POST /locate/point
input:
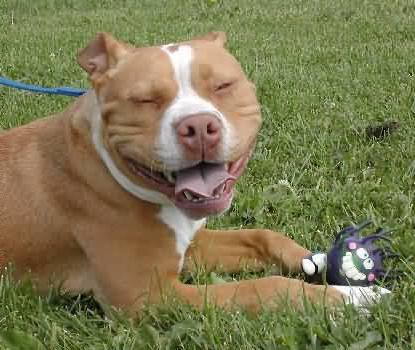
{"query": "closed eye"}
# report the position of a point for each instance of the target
(223, 86)
(147, 100)
(143, 101)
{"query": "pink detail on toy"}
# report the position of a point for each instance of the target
(352, 245)
(370, 277)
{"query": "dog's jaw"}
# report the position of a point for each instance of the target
(95, 120)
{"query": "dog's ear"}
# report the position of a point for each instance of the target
(101, 54)
(218, 38)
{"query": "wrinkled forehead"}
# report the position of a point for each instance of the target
(199, 57)
(172, 66)
(147, 62)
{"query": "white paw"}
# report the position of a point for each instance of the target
(362, 296)
(314, 264)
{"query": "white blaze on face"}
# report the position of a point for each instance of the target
(186, 103)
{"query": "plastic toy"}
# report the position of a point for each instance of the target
(354, 260)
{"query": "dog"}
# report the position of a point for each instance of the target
(111, 195)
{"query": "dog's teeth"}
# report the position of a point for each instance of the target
(217, 196)
(188, 195)
(169, 176)
(227, 166)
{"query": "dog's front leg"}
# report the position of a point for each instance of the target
(130, 273)
(253, 294)
(232, 250)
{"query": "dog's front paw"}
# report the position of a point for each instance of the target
(362, 296)
(314, 264)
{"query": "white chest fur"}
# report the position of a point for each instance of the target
(183, 227)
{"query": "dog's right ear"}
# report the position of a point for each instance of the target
(101, 54)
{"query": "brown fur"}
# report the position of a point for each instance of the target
(63, 218)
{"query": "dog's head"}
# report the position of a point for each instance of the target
(176, 123)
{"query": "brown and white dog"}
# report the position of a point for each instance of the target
(111, 195)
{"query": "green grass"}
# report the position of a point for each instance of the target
(325, 70)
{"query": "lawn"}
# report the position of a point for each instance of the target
(325, 71)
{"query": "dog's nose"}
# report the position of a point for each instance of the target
(200, 135)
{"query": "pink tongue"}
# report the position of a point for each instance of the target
(202, 179)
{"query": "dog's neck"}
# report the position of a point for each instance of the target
(85, 158)
(85, 126)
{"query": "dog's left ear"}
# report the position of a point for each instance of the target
(102, 53)
(218, 38)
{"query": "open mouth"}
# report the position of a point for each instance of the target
(349, 268)
(201, 190)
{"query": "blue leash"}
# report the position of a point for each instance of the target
(64, 90)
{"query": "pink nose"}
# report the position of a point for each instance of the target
(200, 135)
